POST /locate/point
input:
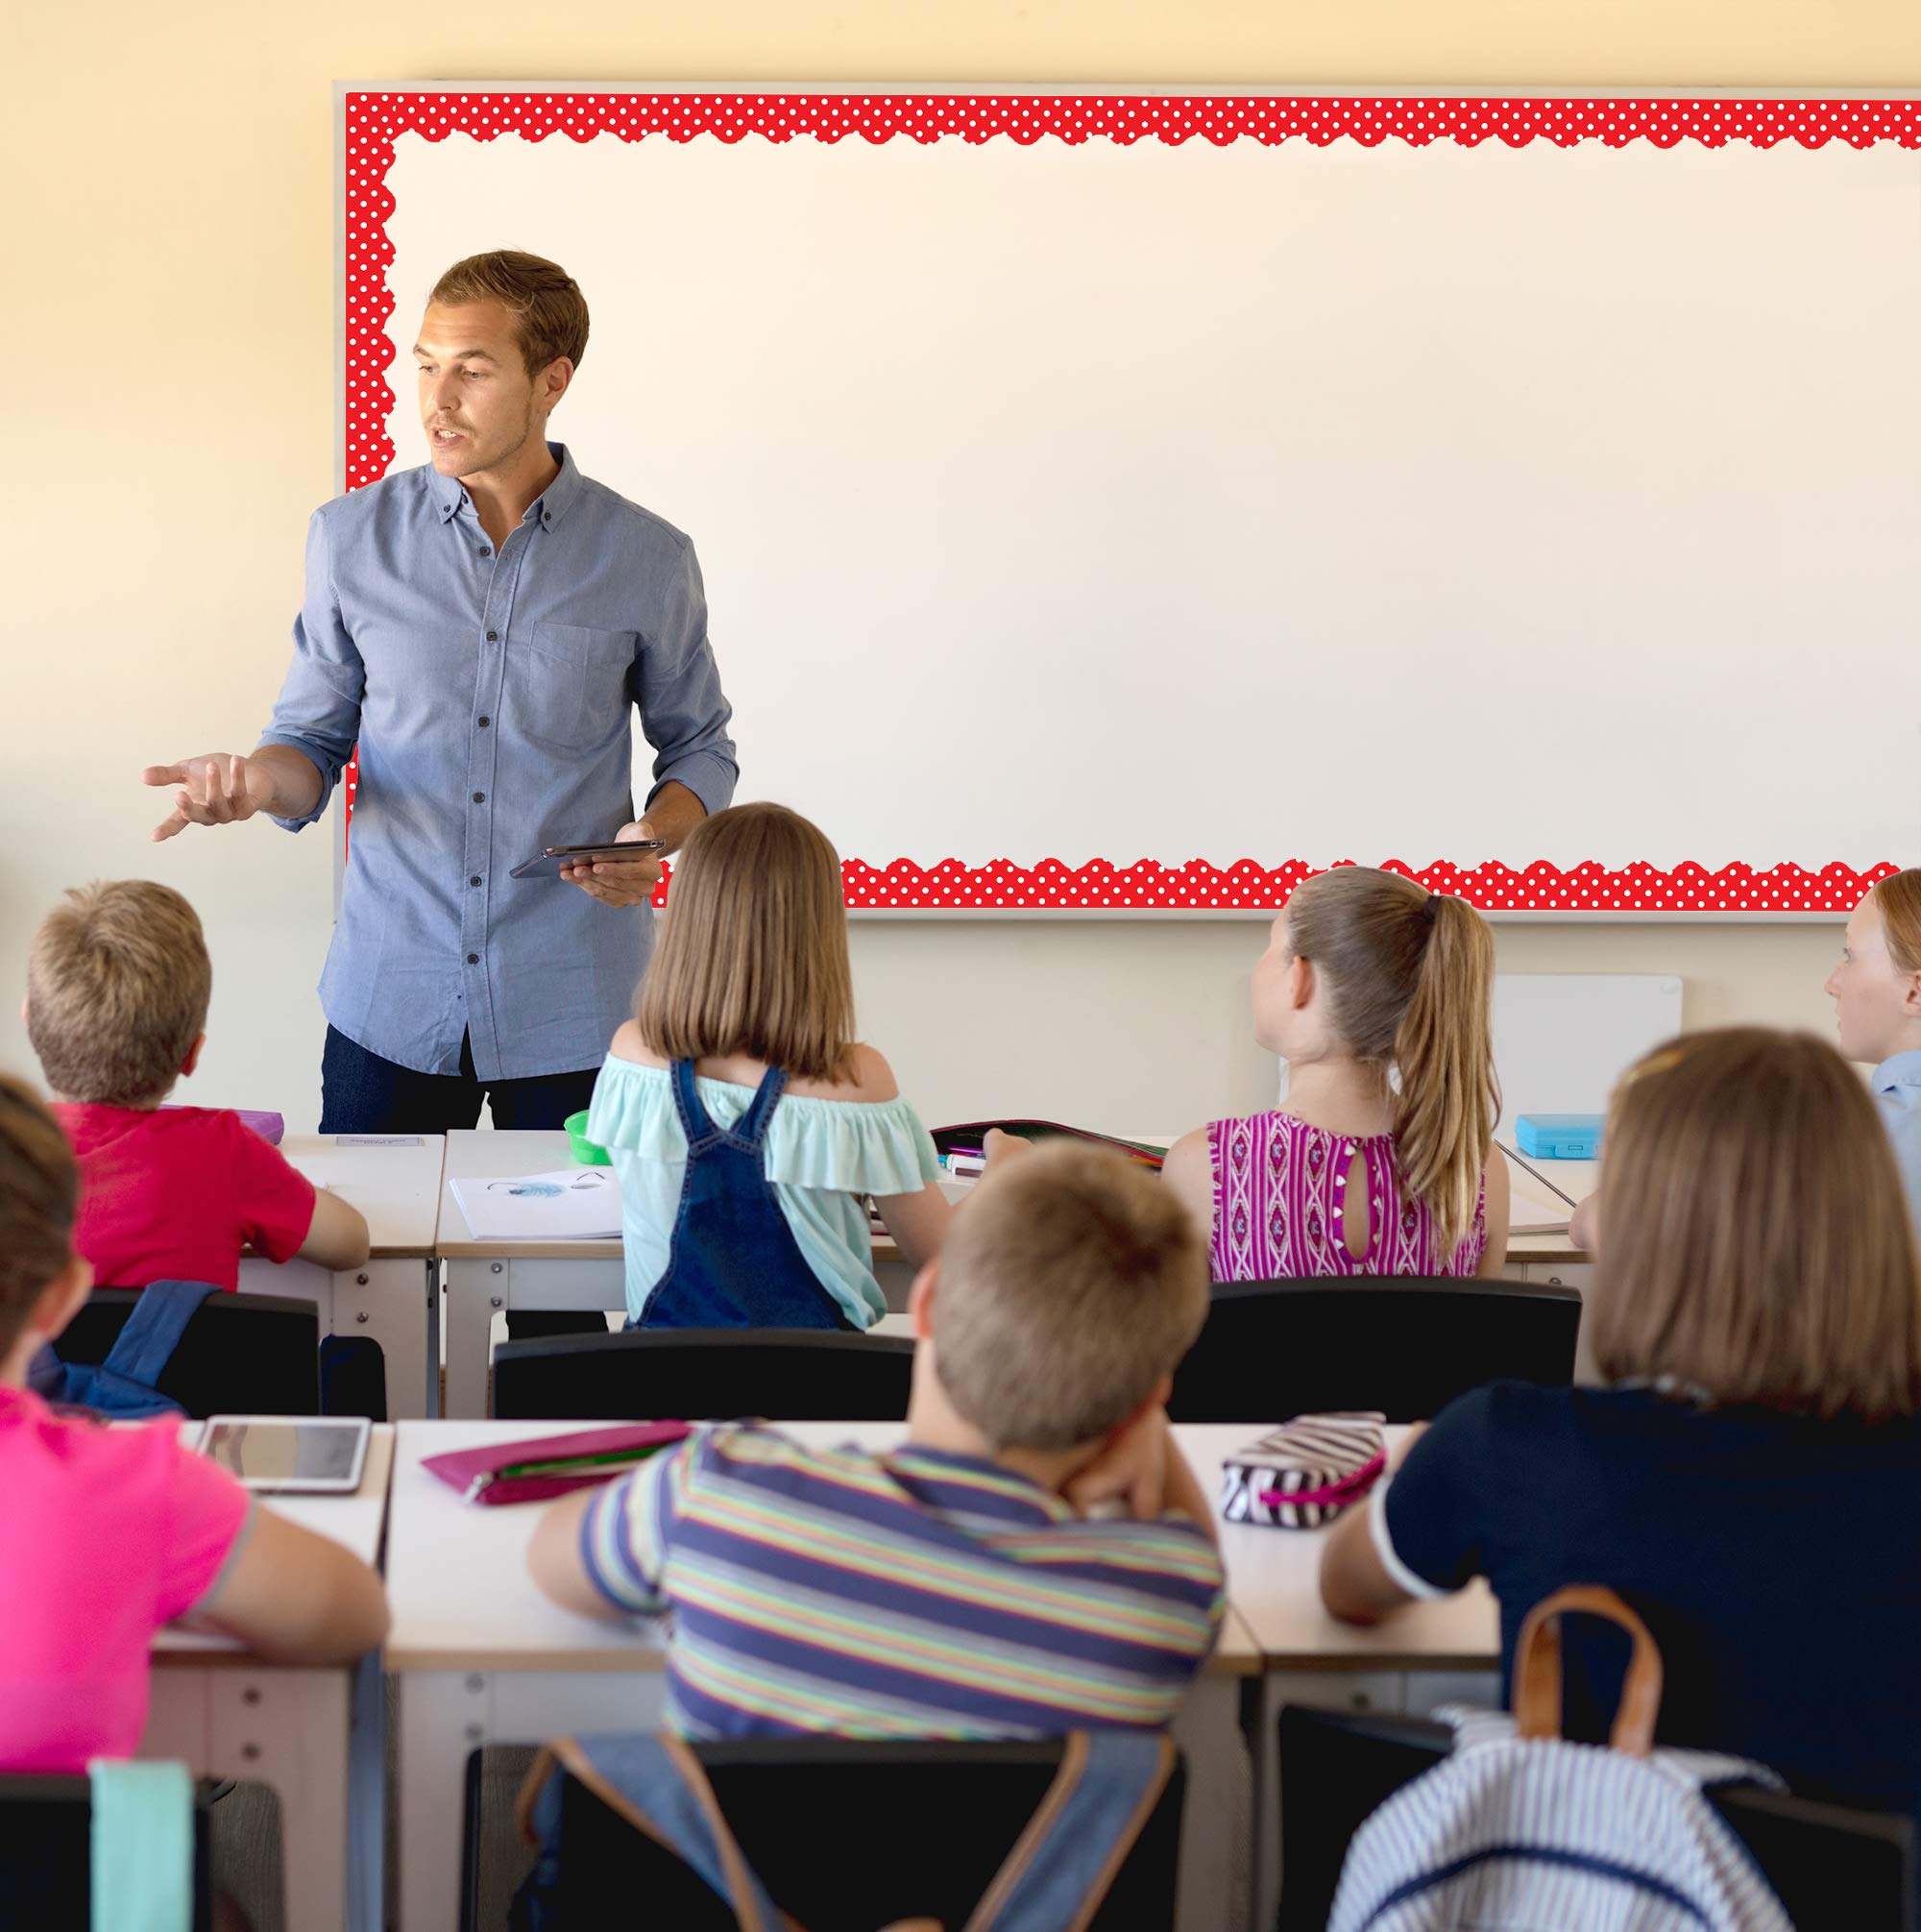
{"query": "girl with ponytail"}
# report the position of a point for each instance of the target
(1877, 994)
(1376, 993)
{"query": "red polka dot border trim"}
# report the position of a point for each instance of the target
(374, 120)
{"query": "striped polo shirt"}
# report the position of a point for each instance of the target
(913, 1594)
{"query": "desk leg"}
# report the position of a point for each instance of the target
(1214, 1825)
(434, 1329)
(1317, 1690)
(474, 1290)
(392, 1302)
(443, 1716)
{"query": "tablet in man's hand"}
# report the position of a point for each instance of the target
(548, 865)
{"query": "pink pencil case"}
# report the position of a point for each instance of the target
(553, 1465)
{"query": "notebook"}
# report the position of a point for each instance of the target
(573, 1204)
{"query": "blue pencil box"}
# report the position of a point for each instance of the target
(1559, 1136)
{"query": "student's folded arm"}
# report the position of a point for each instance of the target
(1581, 1229)
(559, 1565)
(1184, 1493)
(917, 1222)
(601, 1552)
(295, 1596)
(1496, 1212)
(337, 1237)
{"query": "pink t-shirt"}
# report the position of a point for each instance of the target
(107, 1533)
(174, 1194)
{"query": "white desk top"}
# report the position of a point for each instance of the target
(458, 1583)
(1274, 1580)
(396, 1188)
(358, 1521)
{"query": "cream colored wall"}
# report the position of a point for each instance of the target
(169, 357)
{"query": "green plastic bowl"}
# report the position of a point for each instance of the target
(584, 1150)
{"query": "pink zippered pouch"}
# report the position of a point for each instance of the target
(553, 1465)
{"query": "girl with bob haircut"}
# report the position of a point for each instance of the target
(1877, 994)
(745, 1122)
(1376, 993)
(1747, 1479)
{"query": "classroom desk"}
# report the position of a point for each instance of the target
(485, 1278)
(1427, 1654)
(316, 1735)
(481, 1656)
(394, 1299)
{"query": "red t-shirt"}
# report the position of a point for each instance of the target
(174, 1194)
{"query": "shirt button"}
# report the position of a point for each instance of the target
(493, 637)
(479, 797)
(472, 958)
(475, 880)
(485, 551)
(484, 722)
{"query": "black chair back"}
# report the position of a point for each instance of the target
(955, 1810)
(1834, 1869)
(239, 1355)
(695, 1375)
(45, 1850)
(1406, 1345)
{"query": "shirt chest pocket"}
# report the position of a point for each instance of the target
(568, 688)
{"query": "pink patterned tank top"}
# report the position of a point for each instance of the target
(1279, 1189)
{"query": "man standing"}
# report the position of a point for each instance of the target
(480, 627)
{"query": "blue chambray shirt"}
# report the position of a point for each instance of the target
(490, 697)
(1897, 1092)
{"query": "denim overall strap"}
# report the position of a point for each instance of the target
(693, 1120)
(734, 1261)
(146, 1342)
(752, 1127)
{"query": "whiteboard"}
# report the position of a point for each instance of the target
(1096, 509)
(1563, 1040)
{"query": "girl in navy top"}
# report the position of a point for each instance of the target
(1749, 1479)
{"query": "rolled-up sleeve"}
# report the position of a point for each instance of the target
(683, 710)
(318, 713)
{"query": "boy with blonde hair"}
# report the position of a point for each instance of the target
(957, 1586)
(118, 989)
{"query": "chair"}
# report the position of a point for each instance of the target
(691, 1375)
(787, 1801)
(45, 1872)
(1834, 1869)
(240, 1355)
(1406, 1345)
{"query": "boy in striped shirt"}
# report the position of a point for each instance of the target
(1036, 1557)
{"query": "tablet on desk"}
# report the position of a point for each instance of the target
(312, 1454)
(548, 865)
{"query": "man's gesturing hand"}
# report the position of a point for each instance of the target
(620, 882)
(219, 788)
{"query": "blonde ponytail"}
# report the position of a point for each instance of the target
(1410, 981)
(1449, 1098)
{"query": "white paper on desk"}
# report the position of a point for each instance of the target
(1541, 1223)
(571, 1204)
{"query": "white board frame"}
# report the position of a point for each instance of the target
(1824, 898)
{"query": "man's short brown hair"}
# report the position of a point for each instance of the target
(1754, 1240)
(548, 311)
(1070, 1284)
(117, 986)
(38, 1186)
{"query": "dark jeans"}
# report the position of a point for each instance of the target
(362, 1094)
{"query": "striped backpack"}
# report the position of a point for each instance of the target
(1518, 1830)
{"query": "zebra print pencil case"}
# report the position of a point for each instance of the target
(1304, 1473)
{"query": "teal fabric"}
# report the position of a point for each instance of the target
(142, 1845)
(823, 1156)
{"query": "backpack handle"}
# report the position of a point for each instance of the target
(1536, 1669)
